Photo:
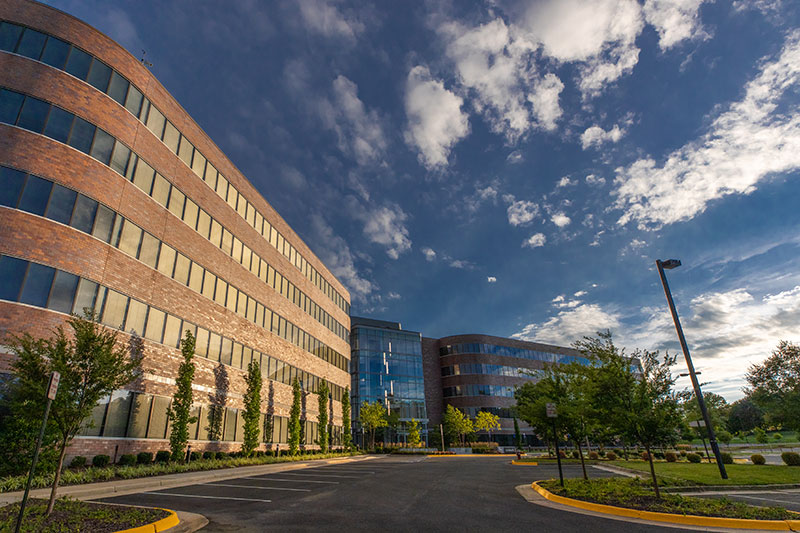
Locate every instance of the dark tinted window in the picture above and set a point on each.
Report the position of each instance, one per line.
(103, 223)
(99, 75)
(35, 196)
(102, 147)
(10, 102)
(58, 124)
(37, 285)
(63, 292)
(11, 182)
(118, 88)
(33, 115)
(31, 43)
(9, 35)
(61, 203)
(55, 52)
(78, 63)
(83, 216)
(134, 100)
(12, 272)
(82, 135)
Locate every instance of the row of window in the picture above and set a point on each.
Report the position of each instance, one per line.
(138, 415)
(381, 340)
(41, 117)
(63, 56)
(43, 286)
(44, 198)
(502, 412)
(522, 353)
(383, 386)
(387, 363)
(405, 409)
(492, 370)
(478, 390)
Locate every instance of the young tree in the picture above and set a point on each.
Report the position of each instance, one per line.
(775, 386)
(413, 434)
(641, 406)
(295, 429)
(456, 425)
(252, 408)
(180, 411)
(486, 421)
(347, 431)
(373, 416)
(322, 420)
(92, 365)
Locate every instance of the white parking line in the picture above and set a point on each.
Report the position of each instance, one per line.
(316, 475)
(207, 497)
(340, 471)
(253, 487)
(266, 478)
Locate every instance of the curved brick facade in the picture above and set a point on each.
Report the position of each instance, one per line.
(292, 313)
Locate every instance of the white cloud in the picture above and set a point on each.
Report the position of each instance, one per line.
(515, 157)
(491, 279)
(435, 119)
(591, 179)
(595, 136)
(565, 182)
(561, 220)
(462, 264)
(335, 253)
(579, 294)
(750, 141)
(534, 241)
(674, 20)
(522, 212)
(636, 244)
(570, 325)
(429, 253)
(544, 98)
(393, 296)
(386, 226)
(323, 17)
(559, 298)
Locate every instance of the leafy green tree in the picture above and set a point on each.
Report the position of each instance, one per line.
(372, 417)
(724, 437)
(457, 425)
(413, 434)
(761, 436)
(215, 414)
(295, 428)
(775, 386)
(641, 406)
(716, 406)
(486, 421)
(347, 430)
(180, 411)
(744, 416)
(517, 435)
(322, 397)
(92, 364)
(392, 425)
(252, 408)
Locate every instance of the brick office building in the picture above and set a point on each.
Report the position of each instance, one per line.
(113, 198)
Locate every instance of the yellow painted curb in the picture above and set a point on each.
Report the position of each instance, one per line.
(156, 527)
(479, 455)
(693, 520)
(524, 463)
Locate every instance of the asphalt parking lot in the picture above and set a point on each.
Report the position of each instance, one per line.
(387, 494)
(788, 498)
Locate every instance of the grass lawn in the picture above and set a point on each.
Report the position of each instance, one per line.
(76, 516)
(708, 473)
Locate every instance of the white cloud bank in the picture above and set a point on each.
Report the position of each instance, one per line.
(335, 252)
(522, 212)
(534, 241)
(386, 226)
(324, 18)
(596, 136)
(674, 20)
(753, 139)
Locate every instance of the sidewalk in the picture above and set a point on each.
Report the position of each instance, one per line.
(121, 487)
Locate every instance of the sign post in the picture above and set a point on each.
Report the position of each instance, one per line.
(52, 388)
(552, 413)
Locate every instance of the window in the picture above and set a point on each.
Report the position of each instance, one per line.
(216, 232)
(172, 331)
(155, 121)
(78, 63)
(196, 277)
(221, 292)
(190, 213)
(63, 292)
(93, 426)
(222, 186)
(161, 190)
(10, 104)
(35, 195)
(226, 352)
(133, 102)
(9, 35)
(11, 184)
(241, 307)
(236, 357)
(61, 203)
(118, 88)
(137, 313)
(186, 150)
(130, 238)
(231, 301)
(214, 342)
(209, 282)
(119, 161)
(203, 223)
(33, 115)
(102, 147)
(59, 124)
(227, 241)
(166, 260)
(182, 264)
(143, 177)
(176, 201)
(81, 135)
(12, 273)
(211, 176)
(31, 43)
(114, 309)
(158, 418)
(85, 297)
(198, 163)
(155, 324)
(171, 136)
(99, 74)
(201, 342)
(140, 415)
(229, 433)
(119, 410)
(148, 254)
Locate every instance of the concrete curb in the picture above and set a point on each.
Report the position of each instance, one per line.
(691, 520)
(107, 489)
(158, 526)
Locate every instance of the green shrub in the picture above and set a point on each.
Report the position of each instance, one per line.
(791, 458)
(195, 456)
(684, 447)
(127, 459)
(100, 461)
(645, 456)
(575, 454)
(693, 457)
(671, 457)
(683, 453)
(601, 453)
(658, 455)
(209, 455)
(758, 459)
(777, 436)
(220, 455)
(611, 456)
(163, 456)
(144, 458)
(78, 461)
(727, 459)
(594, 456)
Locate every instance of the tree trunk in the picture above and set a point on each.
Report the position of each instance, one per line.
(57, 477)
(580, 453)
(652, 471)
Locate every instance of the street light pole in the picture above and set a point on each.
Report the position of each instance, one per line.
(670, 264)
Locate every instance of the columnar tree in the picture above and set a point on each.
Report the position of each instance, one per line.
(414, 439)
(92, 364)
(486, 421)
(295, 429)
(372, 417)
(347, 431)
(180, 411)
(517, 435)
(252, 408)
(322, 419)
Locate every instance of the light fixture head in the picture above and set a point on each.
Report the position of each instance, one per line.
(669, 264)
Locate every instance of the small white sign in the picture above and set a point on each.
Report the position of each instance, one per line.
(551, 410)
(55, 377)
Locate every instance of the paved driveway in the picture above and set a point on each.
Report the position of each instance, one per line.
(384, 494)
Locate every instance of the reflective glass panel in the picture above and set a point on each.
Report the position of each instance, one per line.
(12, 273)
(37, 285)
(10, 104)
(31, 44)
(33, 115)
(102, 147)
(35, 195)
(55, 52)
(11, 183)
(58, 124)
(83, 215)
(62, 200)
(118, 88)
(82, 134)
(9, 36)
(78, 63)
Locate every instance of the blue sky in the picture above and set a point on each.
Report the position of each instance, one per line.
(514, 168)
